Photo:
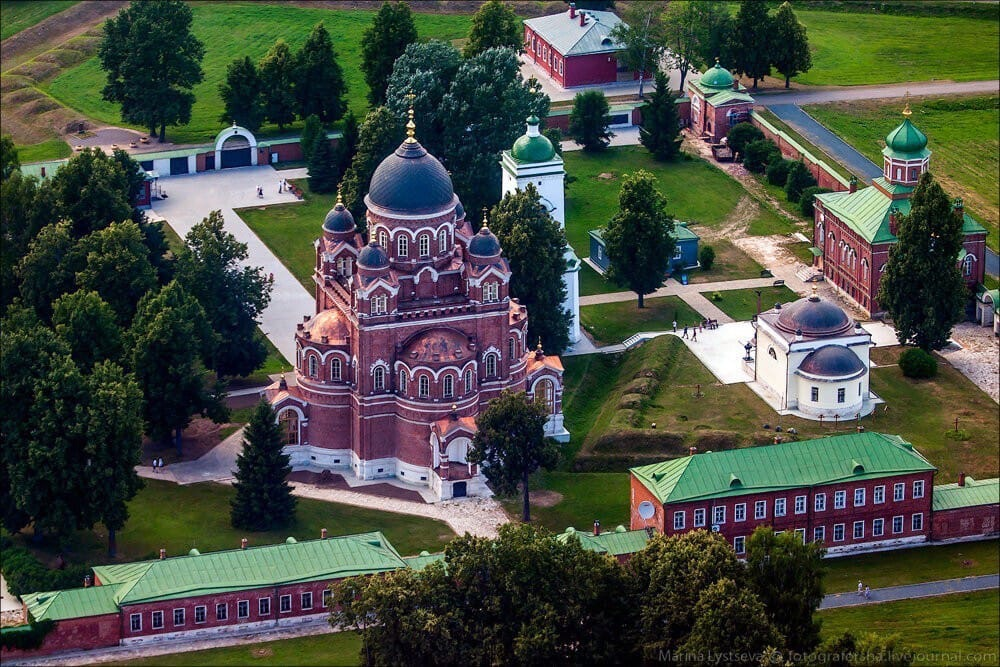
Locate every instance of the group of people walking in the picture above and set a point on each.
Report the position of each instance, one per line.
(158, 464)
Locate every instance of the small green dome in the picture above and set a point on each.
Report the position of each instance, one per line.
(906, 138)
(290, 540)
(717, 77)
(533, 146)
(194, 552)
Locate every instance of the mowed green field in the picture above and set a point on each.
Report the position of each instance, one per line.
(850, 49)
(235, 29)
(959, 629)
(16, 15)
(338, 648)
(963, 134)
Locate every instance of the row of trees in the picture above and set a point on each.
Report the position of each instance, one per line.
(103, 332)
(527, 598)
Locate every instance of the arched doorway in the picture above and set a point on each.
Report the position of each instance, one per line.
(235, 147)
(288, 421)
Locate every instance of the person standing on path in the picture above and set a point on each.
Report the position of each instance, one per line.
(861, 588)
(868, 593)
(685, 333)
(694, 335)
(675, 326)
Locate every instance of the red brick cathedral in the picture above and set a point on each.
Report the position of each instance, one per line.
(414, 334)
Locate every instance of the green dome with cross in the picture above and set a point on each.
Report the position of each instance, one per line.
(533, 146)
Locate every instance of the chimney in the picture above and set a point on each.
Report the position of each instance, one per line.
(163, 554)
(736, 84)
(893, 221)
(243, 543)
(86, 581)
(324, 339)
(583, 19)
(852, 185)
(597, 528)
(961, 479)
(692, 451)
(322, 533)
(958, 207)
(572, 10)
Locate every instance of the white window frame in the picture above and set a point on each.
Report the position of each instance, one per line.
(918, 488)
(402, 381)
(313, 366)
(859, 497)
(801, 533)
(442, 241)
(423, 387)
(261, 604)
(327, 598)
(740, 544)
(335, 369)
(819, 534)
(448, 383)
(240, 606)
(838, 527)
(402, 246)
(380, 304)
(719, 515)
(699, 518)
(780, 507)
(491, 365)
(183, 616)
(917, 521)
(740, 512)
(491, 292)
(899, 492)
(897, 525)
(306, 600)
(285, 604)
(760, 509)
(819, 502)
(878, 527)
(878, 495)
(858, 530)
(800, 504)
(224, 608)
(839, 500)
(204, 613)
(378, 379)
(135, 622)
(841, 395)
(158, 614)
(679, 519)
(468, 380)
(424, 243)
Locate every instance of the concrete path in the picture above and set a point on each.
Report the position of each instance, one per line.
(216, 465)
(674, 288)
(769, 96)
(834, 146)
(929, 589)
(193, 196)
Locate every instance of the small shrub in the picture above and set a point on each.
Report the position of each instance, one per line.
(806, 199)
(799, 178)
(758, 154)
(716, 296)
(777, 172)
(918, 364)
(740, 136)
(960, 435)
(25, 574)
(706, 256)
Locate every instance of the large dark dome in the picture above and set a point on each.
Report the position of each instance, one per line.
(815, 317)
(412, 181)
(831, 361)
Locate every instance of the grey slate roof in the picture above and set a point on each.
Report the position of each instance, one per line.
(569, 38)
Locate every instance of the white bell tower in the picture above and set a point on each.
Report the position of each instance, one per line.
(534, 160)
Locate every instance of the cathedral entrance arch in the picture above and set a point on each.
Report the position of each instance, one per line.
(458, 450)
(235, 147)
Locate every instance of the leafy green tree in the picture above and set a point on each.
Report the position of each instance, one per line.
(92, 190)
(9, 162)
(716, 28)
(212, 268)
(489, 603)
(348, 144)
(494, 25)
(277, 76)
(740, 135)
(799, 178)
(168, 340)
(789, 44)
(777, 172)
(160, 255)
(312, 132)
(113, 446)
(589, 120)
(391, 31)
(323, 173)
(263, 499)
(807, 199)
(869, 649)
(117, 267)
(424, 71)
(87, 324)
(667, 580)
(638, 237)
(535, 246)
(759, 153)
(152, 62)
(380, 134)
(753, 40)
(642, 40)
(706, 257)
(483, 114)
(918, 364)
(682, 28)
(319, 81)
(730, 625)
(24, 210)
(510, 444)
(48, 270)
(922, 288)
(555, 135)
(242, 95)
(787, 576)
(660, 130)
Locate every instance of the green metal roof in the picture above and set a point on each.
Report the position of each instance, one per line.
(716, 77)
(790, 465)
(975, 492)
(423, 560)
(907, 140)
(725, 97)
(618, 542)
(73, 603)
(535, 148)
(256, 567)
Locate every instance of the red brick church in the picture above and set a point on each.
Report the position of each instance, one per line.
(855, 230)
(414, 333)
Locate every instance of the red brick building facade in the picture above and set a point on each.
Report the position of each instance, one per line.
(718, 101)
(414, 334)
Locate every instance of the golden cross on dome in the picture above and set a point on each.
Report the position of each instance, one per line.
(411, 127)
(486, 222)
(340, 187)
(906, 109)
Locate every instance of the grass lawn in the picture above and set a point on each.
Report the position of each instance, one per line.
(235, 29)
(946, 630)
(910, 566)
(863, 48)
(338, 648)
(962, 133)
(817, 152)
(696, 191)
(741, 304)
(576, 499)
(54, 149)
(611, 323)
(17, 15)
(609, 409)
(179, 518)
(730, 263)
(290, 229)
(592, 282)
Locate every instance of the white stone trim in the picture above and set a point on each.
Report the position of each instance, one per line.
(233, 131)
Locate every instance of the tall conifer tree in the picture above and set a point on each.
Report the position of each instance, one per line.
(264, 499)
(789, 44)
(391, 31)
(660, 130)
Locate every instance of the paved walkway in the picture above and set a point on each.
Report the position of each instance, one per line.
(834, 146)
(686, 292)
(192, 197)
(769, 96)
(929, 589)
